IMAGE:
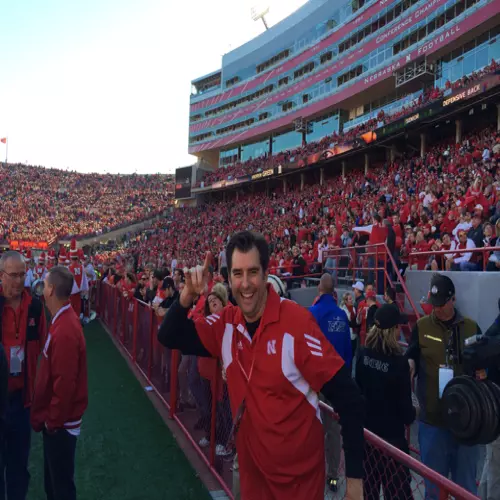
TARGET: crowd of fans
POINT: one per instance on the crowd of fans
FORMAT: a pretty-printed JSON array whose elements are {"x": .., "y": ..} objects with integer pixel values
[
  {"x": 44, "y": 204},
  {"x": 253, "y": 165},
  {"x": 427, "y": 204},
  {"x": 448, "y": 199}
]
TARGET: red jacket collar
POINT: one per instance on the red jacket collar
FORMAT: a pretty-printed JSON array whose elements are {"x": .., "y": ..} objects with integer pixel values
[{"x": 271, "y": 312}]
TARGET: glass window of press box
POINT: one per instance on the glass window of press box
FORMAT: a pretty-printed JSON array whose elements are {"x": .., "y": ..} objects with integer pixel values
[
  {"x": 322, "y": 127},
  {"x": 473, "y": 56},
  {"x": 254, "y": 150},
  {"x": 286, "y": 141},
  {"x": 228, "y": 157}
]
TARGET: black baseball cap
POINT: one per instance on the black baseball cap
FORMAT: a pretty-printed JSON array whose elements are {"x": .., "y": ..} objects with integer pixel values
[
  {"x": 388, "y": 316},
  {"x": 441, "y": 290}
]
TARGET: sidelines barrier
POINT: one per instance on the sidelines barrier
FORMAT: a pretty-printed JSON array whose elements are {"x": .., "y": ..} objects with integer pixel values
[{"x": 194, "y": 391}]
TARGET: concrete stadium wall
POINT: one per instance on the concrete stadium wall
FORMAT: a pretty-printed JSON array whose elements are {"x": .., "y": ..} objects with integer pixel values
[
  {"x": 477, "y": 293},
  {"x": 304, "y": 296}
]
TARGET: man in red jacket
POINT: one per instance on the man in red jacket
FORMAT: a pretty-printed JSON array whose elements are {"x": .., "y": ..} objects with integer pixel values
[
  {"x": 61, "y": 387},
  {"x": 22, "y": 333}
]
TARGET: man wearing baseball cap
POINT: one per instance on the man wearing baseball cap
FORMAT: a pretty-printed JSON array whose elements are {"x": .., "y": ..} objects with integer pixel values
[
  {"x": 435, "y": 357},
  {"x": 359, "y": 290}
]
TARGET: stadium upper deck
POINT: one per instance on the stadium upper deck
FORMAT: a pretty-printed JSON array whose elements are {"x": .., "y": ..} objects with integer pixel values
[{"x": 328, "y": 68}]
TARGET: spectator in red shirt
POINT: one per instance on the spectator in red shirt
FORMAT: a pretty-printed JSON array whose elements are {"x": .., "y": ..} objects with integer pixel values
[{"x": 61, "y": 388}]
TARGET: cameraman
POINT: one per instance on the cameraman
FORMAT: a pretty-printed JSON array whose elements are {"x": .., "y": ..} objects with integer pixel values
[
  {"x": 489, "y": 487},
  {"x": 435, "y": 356}
]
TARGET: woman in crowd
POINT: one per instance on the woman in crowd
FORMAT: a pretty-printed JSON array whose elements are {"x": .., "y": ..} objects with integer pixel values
[
  {"x": 383, "y": 376},
  {"x": 347, "y": 305},
  {"x": 212, "y": 377}
]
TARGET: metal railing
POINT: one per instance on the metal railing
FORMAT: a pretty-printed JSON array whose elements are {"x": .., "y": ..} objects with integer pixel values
[
  {"x": 478, "y": 257},
  {"x": 134, "y": 325}
]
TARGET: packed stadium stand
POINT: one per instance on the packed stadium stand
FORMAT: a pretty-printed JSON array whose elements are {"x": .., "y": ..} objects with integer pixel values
[
  {"x": 40, "y": 204},
  {"x": 362, "y": 139}
]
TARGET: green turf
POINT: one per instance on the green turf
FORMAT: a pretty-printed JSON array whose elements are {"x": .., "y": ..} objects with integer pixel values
[{"x": 125, "y": 451}]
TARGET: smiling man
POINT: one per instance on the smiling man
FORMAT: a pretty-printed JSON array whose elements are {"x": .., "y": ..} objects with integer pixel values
[{"x": 277, "y": 361}]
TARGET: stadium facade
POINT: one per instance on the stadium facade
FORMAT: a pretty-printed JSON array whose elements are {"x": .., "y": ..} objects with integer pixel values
[{"x": 330, "y": 67}]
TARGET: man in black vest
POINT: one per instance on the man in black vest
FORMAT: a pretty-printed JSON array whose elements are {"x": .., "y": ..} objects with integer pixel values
[{"x": 22, "y": 333}]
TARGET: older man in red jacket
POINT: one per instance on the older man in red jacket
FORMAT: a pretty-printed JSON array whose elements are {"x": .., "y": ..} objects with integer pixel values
[{"x": 61, "y": 387}]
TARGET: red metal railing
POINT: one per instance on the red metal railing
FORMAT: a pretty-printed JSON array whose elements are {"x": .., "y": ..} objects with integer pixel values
[
  {"x": 479, "y": 256},
  {"x": 162, "y": 370},
  {"x": 376, "y": 260}
]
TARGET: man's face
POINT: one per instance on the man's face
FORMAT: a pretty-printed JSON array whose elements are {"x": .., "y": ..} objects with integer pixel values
[
  {"x": 445, "y": 313},
  {"x": 248, "y": 283},
  {"x": 13, "y": 278}
]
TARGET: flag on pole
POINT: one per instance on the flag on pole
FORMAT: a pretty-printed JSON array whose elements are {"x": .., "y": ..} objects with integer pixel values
[{"x": 4, "y": 140}]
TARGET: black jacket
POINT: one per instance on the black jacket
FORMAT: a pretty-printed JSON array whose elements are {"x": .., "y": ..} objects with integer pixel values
[
  {"x": 4, "y": 378},
  {"x": 494, "y": 331},
  {"x": 385, "y": 383},
  {"x": 167, "y": 303}
]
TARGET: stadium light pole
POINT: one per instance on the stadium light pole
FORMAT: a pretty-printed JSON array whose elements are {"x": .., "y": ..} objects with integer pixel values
[{"x": 260, "y": 12}]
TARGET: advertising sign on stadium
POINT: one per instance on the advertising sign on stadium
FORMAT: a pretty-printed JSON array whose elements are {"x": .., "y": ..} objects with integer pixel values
[
  {"x": 183, "y": 178},
  {"x": 25, "y": 244},
  {"x": 261, "y": 175},
  {"x": 472, "y": 90},
  {"x": 412, "y": 118}
]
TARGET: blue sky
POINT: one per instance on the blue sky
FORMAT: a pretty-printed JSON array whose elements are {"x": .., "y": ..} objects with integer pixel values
[{"x": 103, "y": 86}]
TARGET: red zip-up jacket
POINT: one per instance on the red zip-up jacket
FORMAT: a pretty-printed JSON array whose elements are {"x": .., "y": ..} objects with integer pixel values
[{"x": 61, "y": 384}]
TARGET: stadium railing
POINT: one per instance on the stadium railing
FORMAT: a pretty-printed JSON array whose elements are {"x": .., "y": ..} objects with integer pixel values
[
  {"x": 134, "y": 325},
  {"x": 479, "y": 256}
]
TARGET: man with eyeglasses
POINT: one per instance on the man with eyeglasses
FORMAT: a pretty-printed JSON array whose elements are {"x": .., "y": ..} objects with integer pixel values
[{"x": 22, "y": 333}]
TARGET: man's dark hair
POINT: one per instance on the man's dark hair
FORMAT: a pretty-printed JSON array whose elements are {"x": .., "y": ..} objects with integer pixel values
[
  {"x": 158, "y": 275},
  {"x": 244, "y": 241},
  {"x": 168, "y": 282},
  {"x": 62, "y": 280},
  {"x": 391, "y": 293}
]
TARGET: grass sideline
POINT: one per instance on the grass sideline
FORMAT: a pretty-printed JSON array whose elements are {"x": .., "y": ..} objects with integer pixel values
[{"x": 125, "y": 451}]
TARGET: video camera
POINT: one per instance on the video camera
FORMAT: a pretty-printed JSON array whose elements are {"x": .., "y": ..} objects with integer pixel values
[{"x": 471, "y": 402}]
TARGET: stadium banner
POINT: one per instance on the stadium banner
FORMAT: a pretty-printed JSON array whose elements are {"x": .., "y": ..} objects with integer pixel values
[
  {"x": 427, "y": 48},
  {"x": 405, "y": 23},
  {"x": 350, "y": 27},
  {"x": 25, "y": 244},
  {"x": 183, "y": 178},
  {"x": 474, "y": 89},
  {"x": 398, "y": 125},
  {"x": 263, "y": 175},
  {"x": 436, "y": 107}
]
